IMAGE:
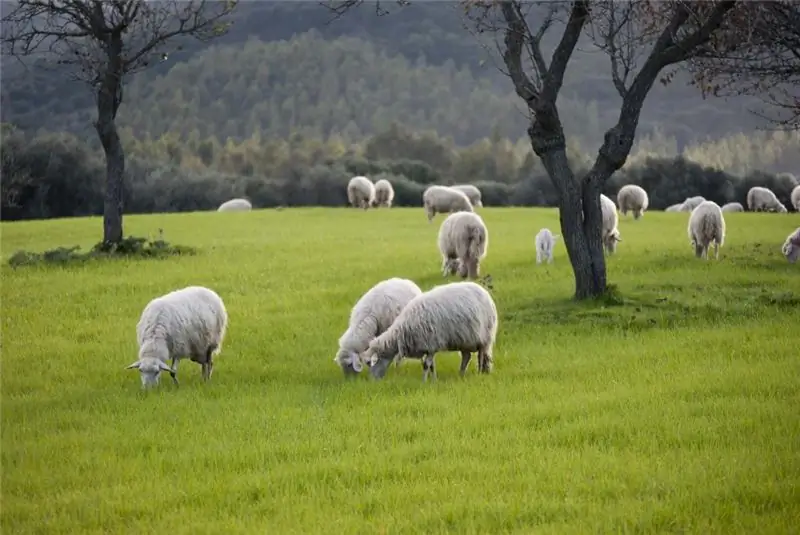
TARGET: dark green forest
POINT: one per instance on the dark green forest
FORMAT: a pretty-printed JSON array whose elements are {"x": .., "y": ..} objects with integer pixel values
[{"x": 285, "y": 108}]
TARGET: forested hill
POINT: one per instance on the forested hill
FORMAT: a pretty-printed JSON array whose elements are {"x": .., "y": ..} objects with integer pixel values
[{"x": 282, "y": 69}]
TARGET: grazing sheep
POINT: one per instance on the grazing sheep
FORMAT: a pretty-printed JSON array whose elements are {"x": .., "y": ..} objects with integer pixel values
[
  {"x": 733, "y": 207},
  {"x": 190, "y": 322},
  {"x": 460, "y": 316},
  {"x": 463, "y": 240},
  {"x": 691, "y": 203},
  {"x": 384, "y": 193},
  {"x": 674, "y": 208},
  {"x": 633, "y": 198},
  {"x": 235, "y": 205},
  {"x": 706, "y": 225},
  {"x": 791, "y": 247},
  {"x": 372, "y": 314},
  {"x": 443, "y": 200},
  {"x": 545, "y": 241},
  {"x": 360, "y": 192},
  {"x": 795, "y": 197},
  {"x": 472, "y": 193},
  {"x": 609, "y": 232},
  {"x": 764, "y": 200}
]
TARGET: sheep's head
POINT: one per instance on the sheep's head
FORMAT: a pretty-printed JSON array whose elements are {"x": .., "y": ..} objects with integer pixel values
[
  {"x": 378, "y": 359},
  {"x": 791, "y": 249},
  {"x": 150, "y": 370},
  {"x": 611, "y": 239},
  {"x": 781, "y": 208},
  {"x": 350, "y": 361}
]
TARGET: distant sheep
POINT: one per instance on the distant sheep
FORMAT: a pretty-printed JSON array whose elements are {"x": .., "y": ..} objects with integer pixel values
[
  {"x": 633, "y": 198},
  {"x": 460, "y": 316},
  {"x": 384, "y": 193},
  {"x": 190, "y": 322},
  {"x": 691, "y": 203},
  {"x": 764, "y": 200},
  {"x": 235, "y": 205},
  {"x": 733, "y": 207},
  {"x": 443, "y": 200},
  {"x": 795, "y": 197},
  {"x": 609, "y": 231},
  {"x": 463, "y": 240},
  {"x": 472, "y": 193},
  {"x": 545, "y": 241},
  {"x": 360, "y": 192},
  {"x": 791, "y": 247},
  {"x": 706, "y": 225},
  {"x": 674, "y": 208},
  {"x": 372, "y": 314}
]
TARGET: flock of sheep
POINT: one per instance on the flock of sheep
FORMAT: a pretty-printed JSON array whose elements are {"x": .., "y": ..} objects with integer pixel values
[{"x": 395, "y": 319}]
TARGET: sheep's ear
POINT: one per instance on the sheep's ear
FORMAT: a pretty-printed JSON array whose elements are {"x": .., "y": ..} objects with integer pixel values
[
  {"x": 134, "y": 365},
  {"x": 163, "y": 365},
  {"x": 355, "y": 361}
]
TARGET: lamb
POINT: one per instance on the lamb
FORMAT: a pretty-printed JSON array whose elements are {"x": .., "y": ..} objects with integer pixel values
[
  {"x": 610, "y": 232},
  {"x": 674, "y": 208},
  {"x": 795, "y": 197},
  {"x": 235, "y": 205},
  {"x": 691, "y": 203},
  {"x": 443, "y": 200},
  {"x": 733, "y": 207},
  {"x": 384, "y": 193},
  {"x": 190, "y": 322},
  {"x": 633, "y": 198},
  {"x": 463, "y": 240},
  {"x": 372, "y": 314},
  {"x": 791, "y": 247},
  {"x": 472, "y": 193},
  {"x": 545, "y": 241},
  {"x": 459, "y": 316},
  {"x": 360, "y": 192},
  {"x": 764, "y": 200},
  {"x": 706, "y": 225}
]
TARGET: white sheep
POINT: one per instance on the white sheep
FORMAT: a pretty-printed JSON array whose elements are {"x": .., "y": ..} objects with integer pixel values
[
  {"x": 633, "y": 198},
  {"x": 190, "y": 322},
  {"x": 706, "y": 225},
  {"x": 733, "y": 207},
  {"x": 372, "y": 314},
  {"x": 472, "y": 193},
  {"x": 460, "y": 316},
  {"x": 545, "y": 241},
  {"x": 360, "y": 192},
  {"x": 795, "y": 197},
  {"x": 463, "y": 241},
  {"x": 384, "y": 193},
  {"x": 235, "y": 205},
  {"x": 674, "y": 208},
  {"x": 443, "y": 200},
  {"x": 691, "y": 203},
  {"x": 764, "y": 200},
  {"x": 609, "y": 232},
  {"x": 791, "y": 247}
]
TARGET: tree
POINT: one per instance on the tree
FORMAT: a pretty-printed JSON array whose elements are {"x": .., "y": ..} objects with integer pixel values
[
  {"x": 655, "y": 34},
  {"x": 100, "y": 43}
]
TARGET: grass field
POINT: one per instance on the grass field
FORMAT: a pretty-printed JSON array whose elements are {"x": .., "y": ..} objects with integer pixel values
[{"x": 674, "y": 411}]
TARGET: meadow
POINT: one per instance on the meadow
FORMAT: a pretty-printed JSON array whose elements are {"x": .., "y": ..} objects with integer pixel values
[{"x": 670, "y": 407}]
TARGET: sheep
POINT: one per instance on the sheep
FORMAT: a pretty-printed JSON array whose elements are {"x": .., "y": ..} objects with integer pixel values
[
  {"x": 795, "y": 197},
  {"x": 706, "y": 225},
  {"x": 545, "y": 241},
  {"x": 633, "y": 198},
  {"x": 460, "y": 316},
  {"x": 733, "y": 207},
  {"x": 235, "y": 205},
  {"x": 764, "y": 200},
  {"x": 691, "y": 203},
  {"x": 610, "y": 232},
  {"x": 791, "y": 247},
  {"x": 360, "y": 192},
  {"x": 384, "y": 193},
  {"x": 674, "y": 207},
  {"x": 443, "y": 200},
  {"x": 372, "y": 314},
  {"x": 190, "y": 322},
  {"x": 463, "y": 240},
  {"x": 472, "y": 193}
]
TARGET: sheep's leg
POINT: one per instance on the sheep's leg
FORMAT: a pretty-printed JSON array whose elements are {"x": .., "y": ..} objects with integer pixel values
[
  {"x": 550, "y": 257},
  {"x": 716, "y": 250},
  {"x": 484, "y": 360},
  {"x": 174, "y": 372},
  {"x": 465, "y": 358},
  {"x": 428, "y": 367},
  {"x": 538, "y": 257},
  {"x": 208, "y": 365}
]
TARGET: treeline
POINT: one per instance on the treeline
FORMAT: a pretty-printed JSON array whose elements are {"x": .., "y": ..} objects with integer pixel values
[{"x": 58, "y": 175}]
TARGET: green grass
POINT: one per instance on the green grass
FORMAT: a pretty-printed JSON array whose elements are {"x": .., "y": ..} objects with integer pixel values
[{"x": 676, "y": 411}]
